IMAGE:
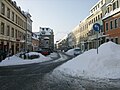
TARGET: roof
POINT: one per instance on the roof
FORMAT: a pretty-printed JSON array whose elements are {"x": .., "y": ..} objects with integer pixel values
[{"x": 111, "y": 13}]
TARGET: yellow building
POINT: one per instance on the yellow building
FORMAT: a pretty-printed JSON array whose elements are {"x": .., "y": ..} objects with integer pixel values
[{"x": 12, "y": 26}]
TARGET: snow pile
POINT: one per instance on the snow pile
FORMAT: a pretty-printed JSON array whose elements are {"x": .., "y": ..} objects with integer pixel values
[
  {"x": 105, "y": 64},
  {"x": 15, "y": 60}
]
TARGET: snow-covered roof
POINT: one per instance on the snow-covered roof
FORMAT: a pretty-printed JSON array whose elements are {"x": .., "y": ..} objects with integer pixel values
[
  {"x": 35, "y": 35},
  {"x": 46, "y": 38},
  {"x": 111, "y": 13},
  {"x": 65, "y": 37},
  {"x": 46, "y": 31}
]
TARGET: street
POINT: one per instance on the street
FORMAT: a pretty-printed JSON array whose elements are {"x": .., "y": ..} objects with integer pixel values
[
  {"x": 26, "y": 77},
  {"x": 40, "y": 76}
]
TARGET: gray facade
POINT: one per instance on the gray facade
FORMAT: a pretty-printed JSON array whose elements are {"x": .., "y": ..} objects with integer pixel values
[{"x": 46, "y": 38}]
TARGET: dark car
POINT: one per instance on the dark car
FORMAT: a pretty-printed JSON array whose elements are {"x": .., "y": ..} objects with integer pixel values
[{"x": 77, "y": 51}]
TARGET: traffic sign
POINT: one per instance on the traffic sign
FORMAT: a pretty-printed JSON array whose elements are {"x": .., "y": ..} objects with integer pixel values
[{"x": 96, "y": 27}]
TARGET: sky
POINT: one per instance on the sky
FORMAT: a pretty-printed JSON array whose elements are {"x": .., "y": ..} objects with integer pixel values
[{"x": 60, "y": 15}]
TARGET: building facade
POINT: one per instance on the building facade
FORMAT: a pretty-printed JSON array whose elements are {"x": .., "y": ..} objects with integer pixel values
[
  {"x": 46, "y": 37},
  {"x": 28, "y": 32},
  {"x": 85, "y": 35},
  {"x": 112, "y": 22},
  {"x": 13, "y": 26},
  {"x": 35, "y": 42}
]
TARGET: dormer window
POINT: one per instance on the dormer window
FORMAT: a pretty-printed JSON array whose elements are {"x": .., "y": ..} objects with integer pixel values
[
  {"x": 115, "y": 5},
  {"x": 108, "y": 10}
]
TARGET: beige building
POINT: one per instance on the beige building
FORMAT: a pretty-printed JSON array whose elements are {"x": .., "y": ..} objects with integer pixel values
[
  {"x": 97, "y": 12},
  {"x": 12, "y": 26},
  {"x": 85, "y": 35}
]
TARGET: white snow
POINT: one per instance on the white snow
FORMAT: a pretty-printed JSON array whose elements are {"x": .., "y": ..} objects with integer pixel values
[
  {"x": 15, "y": 60},
  {"x": 111, "y": 13},
  {"x": 105, "y": 64}
]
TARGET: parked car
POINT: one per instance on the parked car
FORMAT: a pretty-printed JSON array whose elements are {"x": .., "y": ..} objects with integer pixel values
[
  {"x": 77, "y": 51},
  {"x": 44, "y": 51}
]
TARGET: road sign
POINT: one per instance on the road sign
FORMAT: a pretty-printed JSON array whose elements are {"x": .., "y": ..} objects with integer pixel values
[{"x": 96, "y": 27}]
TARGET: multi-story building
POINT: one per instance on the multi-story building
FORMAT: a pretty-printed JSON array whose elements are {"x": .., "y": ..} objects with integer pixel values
[
  {"x": 62, "y": 44},
  {"x": 84, "y": 35},
  {"x": 35, "y": 42},
  {"x": 97, "y": 12},
  {"x": 46, "y": 37},
  {"x": 111, "y": 21},
  {"x": 28, "y": 32},
  {"x": 13, "y": 26},
  {"x": 87, "y": 36},
  {"x": 71, "y": 40}
]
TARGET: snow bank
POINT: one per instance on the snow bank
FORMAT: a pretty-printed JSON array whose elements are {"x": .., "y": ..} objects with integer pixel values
[
  {"x": 15, "y": 60},
  {"x": 105, "y": 64}
]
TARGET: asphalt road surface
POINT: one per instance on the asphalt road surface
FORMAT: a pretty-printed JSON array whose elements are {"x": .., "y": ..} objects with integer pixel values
[
  {"x": 40, "y": 77},
  {"x": 27, "y": 77}
]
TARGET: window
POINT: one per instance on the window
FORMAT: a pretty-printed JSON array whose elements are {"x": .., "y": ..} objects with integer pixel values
[
  {"x": 12, "y": 32},
  {"x": 106, "y": 26},
  {"x": 119, "y": 22},
  {"x": 94, "y": 19},
  {"x": 3, "y": 8},
  {"x": 111, "y": 24},
  {"x": 108, "y": 10},
  {"x": 117, "y": 4},
  {"x": 101, "y": 15},
  {"x": 98, "y": 17},
  {"x": 98, "y": 6},
  {"x": 114, "y": 6},
  {"x": 102, "y": 2},
  {"x": 116, "y": 23},
  {"x": 8, "y": 13},
  {"x": 12, "y": 16},
  {"x": 8, "y": 30},
  {"x": 2, "y": 28},
  {"x": 16, "y": 33},
  {"x": 16, "y": 19}
]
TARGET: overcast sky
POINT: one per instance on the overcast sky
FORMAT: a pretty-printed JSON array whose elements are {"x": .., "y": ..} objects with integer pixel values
[{"x": 60, "y": 15}]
